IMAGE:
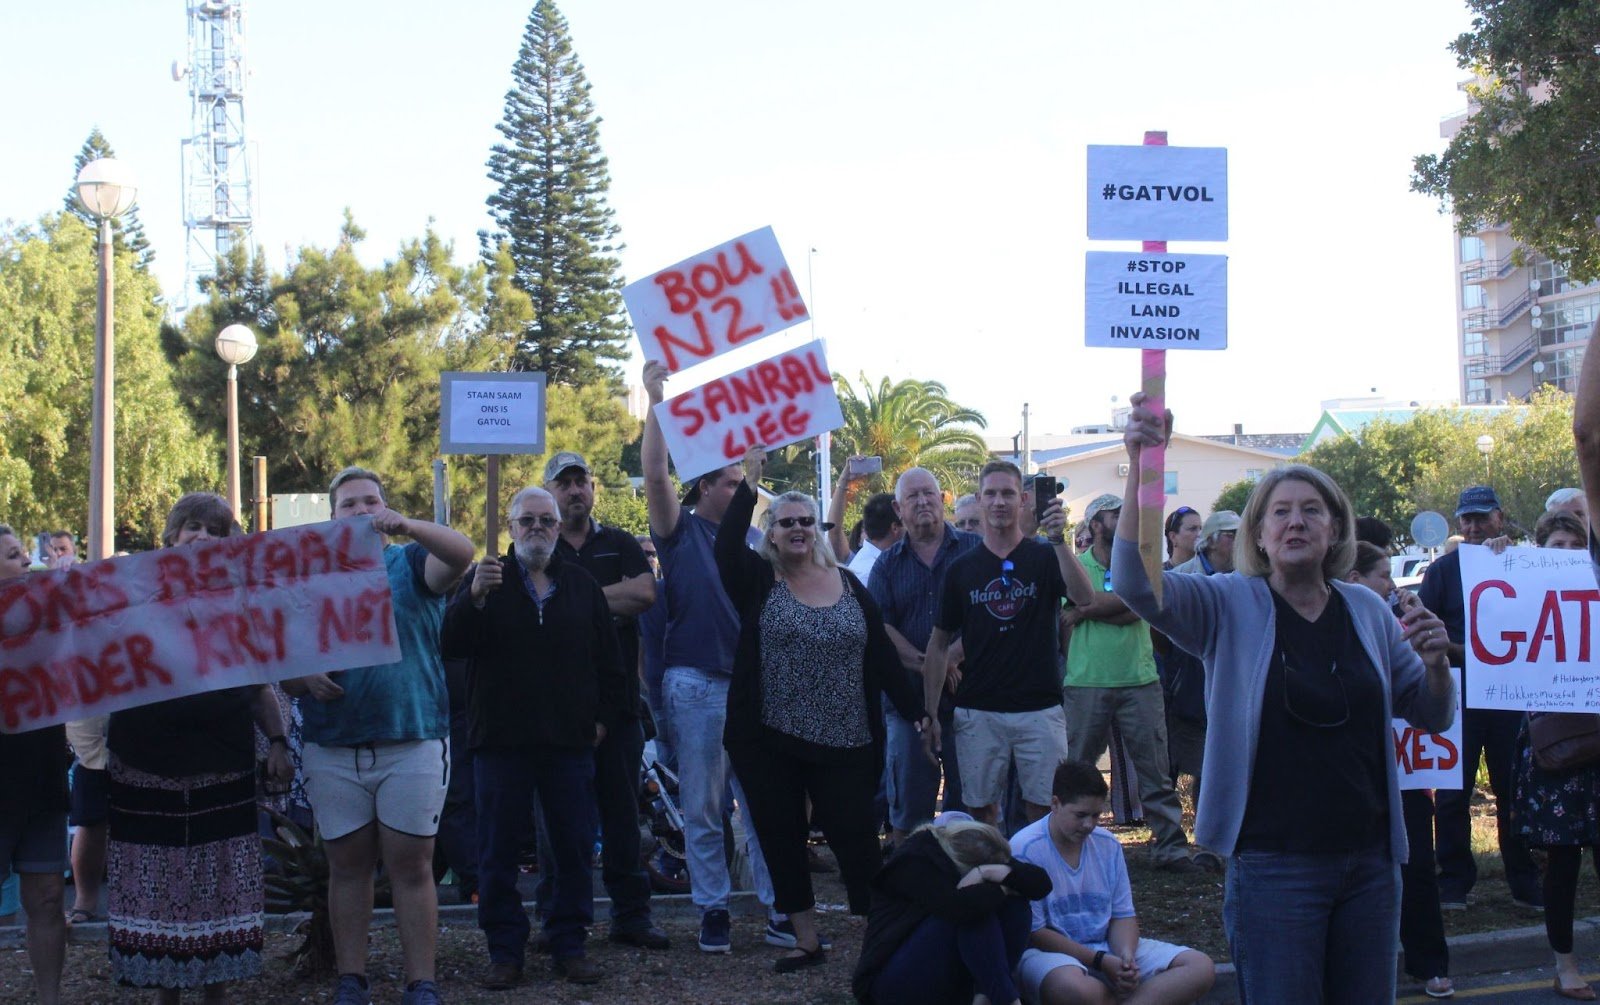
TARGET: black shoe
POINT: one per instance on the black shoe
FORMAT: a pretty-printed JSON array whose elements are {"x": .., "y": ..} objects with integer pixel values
[
  {"x": 501, "y": 977},
  {"x": 649, "y": 937},
  {"x": 807, "y": 958},
  {"x": 577, "y": 969}
]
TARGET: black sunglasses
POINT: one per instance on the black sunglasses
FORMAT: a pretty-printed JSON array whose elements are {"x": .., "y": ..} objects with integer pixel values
[{"x": 787, "y": 522}]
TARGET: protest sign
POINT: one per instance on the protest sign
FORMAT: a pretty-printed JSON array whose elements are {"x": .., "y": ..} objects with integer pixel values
[
  {"x": 1531, "y": 629},
  {"x": 254, "y": 609},
  {"x": 1158, "y": 193},
  {"x": 491, "y": 413},
  {"x": 1156, "y": 301},
  {"x": 1429, "y": 760},
  {"x": 777, "y": 401},
  {"x": 733, "y": 294}
]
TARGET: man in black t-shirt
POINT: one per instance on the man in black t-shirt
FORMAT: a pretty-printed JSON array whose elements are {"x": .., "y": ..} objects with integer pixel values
[
  {"x": 615, "y": 560},
  {"x": 1003, "y": 599}
]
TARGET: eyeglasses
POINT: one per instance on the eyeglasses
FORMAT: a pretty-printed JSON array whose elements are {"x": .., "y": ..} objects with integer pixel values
[
  {"x": 1314, "y": 699},
  {"x": 787, "y": 522},
  {"x": 529, "y": 522}
]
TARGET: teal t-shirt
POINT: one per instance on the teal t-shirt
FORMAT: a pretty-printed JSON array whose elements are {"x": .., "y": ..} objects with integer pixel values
[
  {"x": 1102, "y": 655},
  {"x": 399, "y": 701}
]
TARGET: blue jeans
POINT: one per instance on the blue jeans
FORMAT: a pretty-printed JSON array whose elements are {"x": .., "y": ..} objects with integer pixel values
[
  {"x": 942, "y": 963},
  {"x": 507, "y": 782},
  {"x": 911, "y": 779},
  {"x": 1313, "y": 928},
  {"x": 697, "y": 708}
]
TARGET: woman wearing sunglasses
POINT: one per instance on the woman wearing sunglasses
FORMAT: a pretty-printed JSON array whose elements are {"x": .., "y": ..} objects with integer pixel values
[
  {"x": 804, "y": 720},
  {"x": 1303, "y": 675}
]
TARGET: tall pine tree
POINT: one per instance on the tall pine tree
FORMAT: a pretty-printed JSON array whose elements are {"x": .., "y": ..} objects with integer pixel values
[
  {"x": 551, "y": 213},
  {"x": 126, "y": 231}
]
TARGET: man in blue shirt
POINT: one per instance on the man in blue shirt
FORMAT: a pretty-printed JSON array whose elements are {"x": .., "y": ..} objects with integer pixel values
[
  {"x": 702, "y": 632},
  {"x": 905, "y": 583},
  {"x": 377, "y": 751}
]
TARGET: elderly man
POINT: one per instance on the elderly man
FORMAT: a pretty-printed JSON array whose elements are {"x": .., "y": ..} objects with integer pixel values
[
  {"x": 702, "y": 631},
  {"x": 967, "y": 515},
  {"x": 1002, "y": 599},
  {"x": 905, "y": 583},
  {"x": 544, "y": 688},
  {"x": 1111, "y": 677},
  {"x": 617, "y": 562},
  {"x": 1489, "y": 733},
  {"x": 1214, "y": 553},
  {"x": 376, "y": 739}
]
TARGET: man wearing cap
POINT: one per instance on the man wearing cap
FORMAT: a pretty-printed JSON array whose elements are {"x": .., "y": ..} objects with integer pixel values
[
  {"x": 1111, "y": 677},
  {"x": 1183, "y": 676},
  {"x": 1489, "y": 732},
  {"x": 702, "y": 632},
  {"x": 617, "y": 562}
]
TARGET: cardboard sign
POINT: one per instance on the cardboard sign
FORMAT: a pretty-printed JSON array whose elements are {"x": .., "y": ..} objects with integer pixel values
[
  {"x": 702, "y": 307},
  {"x": 491, "y": 413},
  {"x": 1149, "y": 301},
  {"x": 777, "y": 401},
  {"x": 1429, "y": 760},
  {"x": 254, "y": 609},
  {"x": 1158, "y": 193},
  {"x": 1533, "y": 617}
]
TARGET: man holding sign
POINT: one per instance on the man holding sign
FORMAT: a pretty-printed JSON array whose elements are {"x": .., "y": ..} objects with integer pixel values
[
  {"x": 377, "y": 754},
  {"x": 702, "y": 632}
]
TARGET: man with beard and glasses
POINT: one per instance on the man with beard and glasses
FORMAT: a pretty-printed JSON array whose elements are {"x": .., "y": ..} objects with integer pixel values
[
  {"x": 544, "y": 688},
  {"x": 905, "y": 583}
]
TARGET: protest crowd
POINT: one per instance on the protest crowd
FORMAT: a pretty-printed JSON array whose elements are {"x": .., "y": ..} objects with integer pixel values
[{"x": 933, "y": 701}]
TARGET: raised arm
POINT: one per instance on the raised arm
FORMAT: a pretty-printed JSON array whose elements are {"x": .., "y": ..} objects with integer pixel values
[
  {"x": 740, "y": 568},
  {"x": 1586, "y": 429},
  {"x": 660, "y": 500},
  {"x": 1079, "y": 590},
  {"x": 837, "y": 539}
]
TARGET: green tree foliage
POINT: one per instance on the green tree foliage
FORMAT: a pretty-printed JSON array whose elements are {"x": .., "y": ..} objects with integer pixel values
[
  {"x": 1536, "y": 129},
  {"x": 1395, "y": 470},
  {"x": 554, "y": 226},
  {"x": 347, "y": 372},
  {"x": 48, "y": 297},
  {"x": 127, "y": 232},
  {"x": 1234, "y": 495},
  {"x": 911, "y": 423}
]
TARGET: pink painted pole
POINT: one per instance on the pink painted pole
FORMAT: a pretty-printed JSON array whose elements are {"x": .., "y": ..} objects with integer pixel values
[{"x": 1152, "y": 460}]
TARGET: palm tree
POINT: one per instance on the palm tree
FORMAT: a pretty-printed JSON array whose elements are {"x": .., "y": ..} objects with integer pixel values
[{"x": 911, "y": 423}]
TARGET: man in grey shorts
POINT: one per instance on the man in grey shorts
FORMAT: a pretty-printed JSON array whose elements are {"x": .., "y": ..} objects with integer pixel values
[{"x": 377, "y": 758}]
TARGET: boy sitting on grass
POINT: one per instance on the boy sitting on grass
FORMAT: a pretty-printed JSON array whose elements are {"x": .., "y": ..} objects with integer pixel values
[{"x": 1085, "y": 948}]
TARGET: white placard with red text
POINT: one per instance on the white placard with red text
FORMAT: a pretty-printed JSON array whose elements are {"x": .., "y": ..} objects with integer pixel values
[
  {"x": 775, "y": 402},
  {"x": 1533, "y": 629},
  {"x": 734, "y": 294},
  {"x": 1429, "y": 760},
  {"x": 254, "y": 609}
]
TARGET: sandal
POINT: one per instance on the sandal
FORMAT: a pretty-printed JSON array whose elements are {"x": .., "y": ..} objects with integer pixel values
[
  {"x": 1439, "y": 987},
  {"x": 79, "y": 916},
  {"x": 807, "y": 958},
  {"x": 1582, "y": 993}
]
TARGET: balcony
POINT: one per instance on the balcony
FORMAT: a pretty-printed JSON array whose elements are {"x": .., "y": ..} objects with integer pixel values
[
  {"x": 1485, "y": 270},
  {"x": 1484, "y": 319},
  {"x": 1498, "y": 366}
]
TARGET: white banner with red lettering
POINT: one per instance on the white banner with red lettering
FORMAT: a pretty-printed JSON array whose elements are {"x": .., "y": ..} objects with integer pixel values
[
  {"x": 255, "y": 609},
  {"x": 698, "y": 309},
  {"x": 775, "y": 402},
  {"x": 1429, "y": 760},
  {"x": 1532, "y": 629}
]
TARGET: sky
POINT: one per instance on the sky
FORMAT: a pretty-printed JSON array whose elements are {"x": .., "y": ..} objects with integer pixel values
[{"x": 921, "y": 161}]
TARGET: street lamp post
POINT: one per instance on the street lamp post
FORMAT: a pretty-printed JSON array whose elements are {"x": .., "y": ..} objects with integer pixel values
[
  {"x": 1486, "y": 447},
  {"x": 235, "y": 344},
  {"x": 106, "y": 190}
]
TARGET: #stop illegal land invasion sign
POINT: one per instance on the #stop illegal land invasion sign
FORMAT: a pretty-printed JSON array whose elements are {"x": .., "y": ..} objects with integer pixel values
[{"x": 1155, "y": 301}]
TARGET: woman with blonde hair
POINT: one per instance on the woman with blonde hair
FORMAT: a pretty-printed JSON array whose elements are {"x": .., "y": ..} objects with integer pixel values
[
  {"x": 950, "y": 918},
  {"x": 804, "y": 720},
  {"x": 1304, "y": 674}
]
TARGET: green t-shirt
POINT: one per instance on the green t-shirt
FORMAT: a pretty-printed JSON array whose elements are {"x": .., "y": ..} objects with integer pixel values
[{"x": 1103, "y": 655}]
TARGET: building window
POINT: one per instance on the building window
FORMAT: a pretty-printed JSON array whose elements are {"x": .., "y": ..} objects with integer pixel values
[
  {"x": 1471, "y": 248},
  {"x": 1171, "y": 483},
  {"x": 1477, "y": 391},
  {"x": 1472, "y": 296},
  {"x": 1569, "y": 320},
  {"x": 1253, "y": 474},
  {"x": 1552, "y": 278},
  {"x": 1472, "y": 344}
]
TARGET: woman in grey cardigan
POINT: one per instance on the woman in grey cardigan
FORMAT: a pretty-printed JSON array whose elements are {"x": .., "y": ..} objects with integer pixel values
[{"x": 1303, "y": 673}]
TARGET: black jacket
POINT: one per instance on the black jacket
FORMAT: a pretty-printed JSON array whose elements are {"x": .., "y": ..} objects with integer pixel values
[
  {"x": 919, "y": 881},
  {"x": 748, "y": 580},
  {"x": 532, "y": 678}
]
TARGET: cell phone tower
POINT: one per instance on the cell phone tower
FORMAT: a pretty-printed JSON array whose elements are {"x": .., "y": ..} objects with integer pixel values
[{"x": 217, "y": 203}]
